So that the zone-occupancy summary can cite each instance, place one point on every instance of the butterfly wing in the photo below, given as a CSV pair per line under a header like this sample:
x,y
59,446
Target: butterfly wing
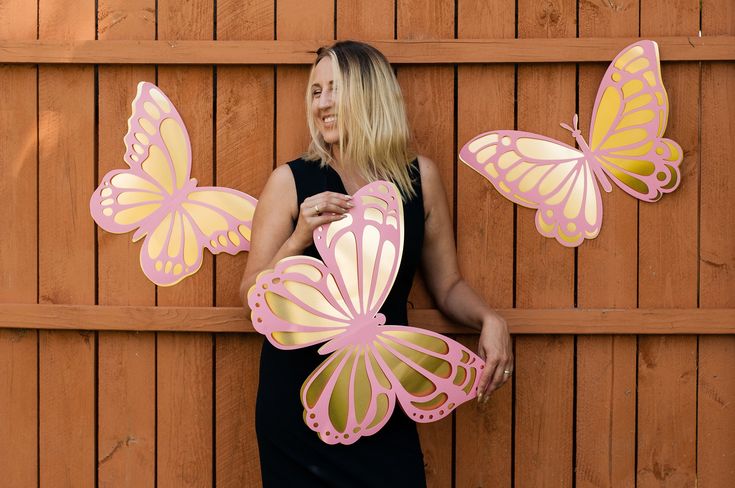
x,y
628,123
298,304
348,396
364,249
430,374
146,196
304,301
353,392
539,172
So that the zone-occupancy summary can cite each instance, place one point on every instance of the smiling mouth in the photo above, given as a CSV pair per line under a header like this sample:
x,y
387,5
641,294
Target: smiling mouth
x,y
329,119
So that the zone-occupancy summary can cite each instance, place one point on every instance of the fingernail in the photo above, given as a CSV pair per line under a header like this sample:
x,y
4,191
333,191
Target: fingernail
x,y
485,399
348,197
350,204
479,398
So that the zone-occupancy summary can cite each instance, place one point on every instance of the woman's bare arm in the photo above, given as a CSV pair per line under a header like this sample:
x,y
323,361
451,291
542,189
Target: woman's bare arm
x,y
274,235
454,297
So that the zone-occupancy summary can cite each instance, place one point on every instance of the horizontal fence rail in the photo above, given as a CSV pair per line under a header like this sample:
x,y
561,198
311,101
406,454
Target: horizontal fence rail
x,y
232,319
444,51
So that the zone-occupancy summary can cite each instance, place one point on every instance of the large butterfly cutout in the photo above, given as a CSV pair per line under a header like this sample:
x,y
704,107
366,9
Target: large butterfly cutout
x,y
626,146
305,301
157,196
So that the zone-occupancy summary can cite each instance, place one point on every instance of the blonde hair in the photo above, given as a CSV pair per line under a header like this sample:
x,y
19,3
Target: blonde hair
x,y
372,124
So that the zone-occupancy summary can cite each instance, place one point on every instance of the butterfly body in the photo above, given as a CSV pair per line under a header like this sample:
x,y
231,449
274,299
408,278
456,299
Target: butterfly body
x,y
156,196
369,366
625,146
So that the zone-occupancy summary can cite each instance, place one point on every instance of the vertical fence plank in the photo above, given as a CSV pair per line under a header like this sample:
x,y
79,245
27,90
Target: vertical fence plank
x,y
607,278
716,386
485,101
18,248
544,271
429,94
184,434
66,178
668,274
294,22
365,20
126,360
245,103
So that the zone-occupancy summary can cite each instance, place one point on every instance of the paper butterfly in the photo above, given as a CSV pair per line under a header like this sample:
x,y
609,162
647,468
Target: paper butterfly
x,y
304,301
626,146
156,196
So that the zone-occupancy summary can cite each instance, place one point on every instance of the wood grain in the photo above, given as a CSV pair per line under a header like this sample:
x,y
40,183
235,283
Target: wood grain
x,y
66,176
288,50
607,276
668,275
716,383
544,272
662,321
485,101
126,366
185,363
18,252
244,160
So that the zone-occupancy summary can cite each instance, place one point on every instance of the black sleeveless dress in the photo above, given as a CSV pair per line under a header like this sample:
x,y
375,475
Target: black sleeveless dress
x,y
290,453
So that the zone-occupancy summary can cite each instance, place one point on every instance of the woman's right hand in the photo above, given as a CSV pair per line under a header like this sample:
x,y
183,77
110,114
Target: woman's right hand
x,y
317,210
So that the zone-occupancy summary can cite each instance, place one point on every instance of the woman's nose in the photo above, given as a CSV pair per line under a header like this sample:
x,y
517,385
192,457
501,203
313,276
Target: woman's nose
x,y
327,99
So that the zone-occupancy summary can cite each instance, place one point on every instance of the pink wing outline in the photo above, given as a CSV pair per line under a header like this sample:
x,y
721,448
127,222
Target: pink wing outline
x,y
304,301
354,391
361,254
541,173
626,145
156,196
628,121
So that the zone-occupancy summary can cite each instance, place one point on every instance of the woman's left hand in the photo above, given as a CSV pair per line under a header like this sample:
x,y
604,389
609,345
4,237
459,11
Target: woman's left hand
x,y
496,349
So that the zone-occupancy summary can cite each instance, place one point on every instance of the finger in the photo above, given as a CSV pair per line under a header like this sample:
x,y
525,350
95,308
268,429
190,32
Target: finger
x,y
487,374
324,219
333,207
498,379
325,195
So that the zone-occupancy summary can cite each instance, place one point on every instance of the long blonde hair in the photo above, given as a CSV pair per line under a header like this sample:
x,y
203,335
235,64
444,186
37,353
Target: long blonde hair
x,y
372,124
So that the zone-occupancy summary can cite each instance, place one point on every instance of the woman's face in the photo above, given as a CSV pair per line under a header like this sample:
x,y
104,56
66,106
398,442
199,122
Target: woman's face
x,y
324,101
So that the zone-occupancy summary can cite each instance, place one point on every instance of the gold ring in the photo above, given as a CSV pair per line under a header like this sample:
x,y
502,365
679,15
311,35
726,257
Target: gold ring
x,y
316,207
508,371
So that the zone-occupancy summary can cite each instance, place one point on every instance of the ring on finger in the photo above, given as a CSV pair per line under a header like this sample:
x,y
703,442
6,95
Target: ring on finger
x,y
508,372
316,209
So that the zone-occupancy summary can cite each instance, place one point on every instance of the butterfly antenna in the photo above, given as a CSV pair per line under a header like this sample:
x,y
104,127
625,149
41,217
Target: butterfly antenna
x,y
566,126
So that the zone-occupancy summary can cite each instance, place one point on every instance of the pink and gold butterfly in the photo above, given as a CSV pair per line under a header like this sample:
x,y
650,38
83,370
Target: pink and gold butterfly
x,y
626,146
157,196
305,301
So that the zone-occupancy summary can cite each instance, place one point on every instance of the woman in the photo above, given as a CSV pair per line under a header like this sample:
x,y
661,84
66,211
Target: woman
x,y
359,134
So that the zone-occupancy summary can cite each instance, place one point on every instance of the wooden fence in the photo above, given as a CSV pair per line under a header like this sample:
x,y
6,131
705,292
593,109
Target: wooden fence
x,y
625,347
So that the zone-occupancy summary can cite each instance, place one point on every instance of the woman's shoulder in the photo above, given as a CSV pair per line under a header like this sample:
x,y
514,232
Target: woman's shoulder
x,y
428,170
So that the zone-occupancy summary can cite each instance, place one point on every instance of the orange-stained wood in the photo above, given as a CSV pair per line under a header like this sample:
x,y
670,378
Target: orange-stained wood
x,y
231,319
544,272
716,383
485,101
667,275
66,175
244,160
294,51
185,364
606,277
126,407
18,248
